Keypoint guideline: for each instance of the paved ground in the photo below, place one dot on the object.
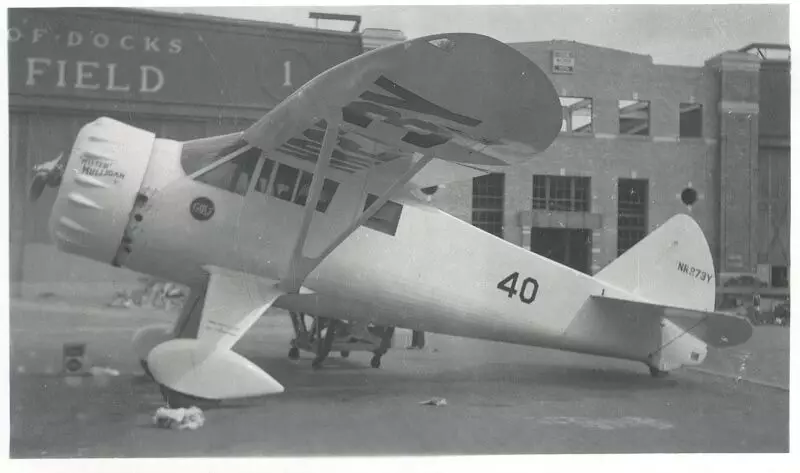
(500, 399)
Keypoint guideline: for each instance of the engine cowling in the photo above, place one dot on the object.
(101, 180)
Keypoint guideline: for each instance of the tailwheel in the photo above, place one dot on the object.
(176, 399)
(375, 362)
(657, 373)
(344, 353)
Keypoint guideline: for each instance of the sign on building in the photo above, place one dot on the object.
(563, 62)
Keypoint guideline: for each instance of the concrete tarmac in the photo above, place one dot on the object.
(501, 399)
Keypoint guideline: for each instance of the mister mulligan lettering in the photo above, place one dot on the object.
(99, 167)
(84, 74)
(696, 273)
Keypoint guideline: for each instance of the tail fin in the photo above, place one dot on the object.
(672, 266)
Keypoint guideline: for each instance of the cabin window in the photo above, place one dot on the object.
(285, 182)
(386, 218)
(288, 187)
(303, 188)
(326, 196)
(264, 177)
(234, 175)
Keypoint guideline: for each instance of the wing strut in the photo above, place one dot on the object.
(301, 266)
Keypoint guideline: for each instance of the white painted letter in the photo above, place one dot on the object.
(112, 74)
(123, 43)
(74, 39)
(175, 46)
(151, 44)
(100, 40)
(14, 35)
(37, 34)
(79, 84)
(32, 71)
(287, 73)
(144, 87)
(62, 73)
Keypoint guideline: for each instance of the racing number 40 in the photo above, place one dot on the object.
(527, 291)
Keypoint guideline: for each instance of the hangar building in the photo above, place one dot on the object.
(180, 76)
(641, 142)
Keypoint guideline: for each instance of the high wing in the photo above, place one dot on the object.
(472, 102)
(427, 111)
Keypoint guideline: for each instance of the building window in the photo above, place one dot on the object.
(576, 115)
(634, 117)
(488, 194)
(561, 193)
(386, 219)
(631, 213)
(780, 276)
(691, 120)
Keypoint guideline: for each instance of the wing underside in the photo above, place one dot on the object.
(470, 101)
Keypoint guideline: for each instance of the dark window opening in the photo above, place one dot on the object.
(780, 276)
(285, 182)
(234, 175)
(634, 117)
(264, 177)
(293, 185)
(561, 193)
(488, 196)
(691, 120)
(569, 246)
(576, 115)
(631, 213)
(386, 219)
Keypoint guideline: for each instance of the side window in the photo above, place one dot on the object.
(386, 218)
(234, 175)
(266, 173)
(328, 190)
(285, 181)
(293, 185)
(303, 188)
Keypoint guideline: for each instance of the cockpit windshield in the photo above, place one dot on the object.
(198, 154)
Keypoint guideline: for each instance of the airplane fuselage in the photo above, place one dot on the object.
(435, 273)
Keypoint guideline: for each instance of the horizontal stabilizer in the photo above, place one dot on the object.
(717, 329)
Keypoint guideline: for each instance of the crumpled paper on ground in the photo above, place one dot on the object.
(436, 401)
(191, 418)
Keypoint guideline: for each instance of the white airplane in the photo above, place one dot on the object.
(316, 209)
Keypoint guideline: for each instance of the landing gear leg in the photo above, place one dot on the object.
(324, 344)
(386, 341)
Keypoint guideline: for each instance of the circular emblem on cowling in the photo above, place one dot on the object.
(202, 208)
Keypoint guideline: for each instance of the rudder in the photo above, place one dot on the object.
(671, 266)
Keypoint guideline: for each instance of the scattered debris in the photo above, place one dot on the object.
(103, 371)
(436, 402)
(154, 294)
(179, 419)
